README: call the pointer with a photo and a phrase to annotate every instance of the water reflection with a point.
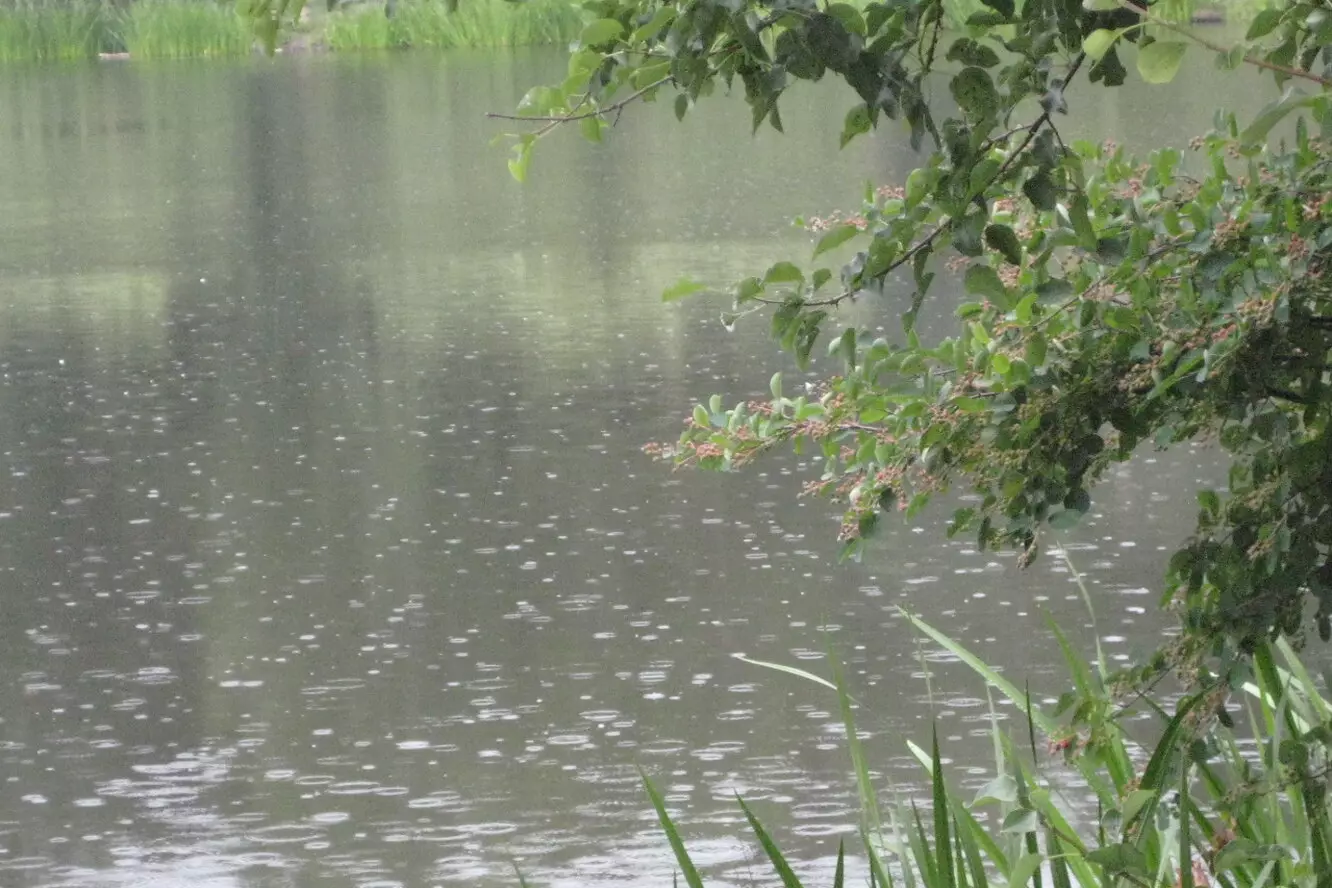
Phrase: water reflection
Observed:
(330, 557)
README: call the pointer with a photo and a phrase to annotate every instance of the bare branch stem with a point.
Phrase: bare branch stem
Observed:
(553, 121)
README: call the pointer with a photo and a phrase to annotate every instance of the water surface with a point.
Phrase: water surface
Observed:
(329, 554)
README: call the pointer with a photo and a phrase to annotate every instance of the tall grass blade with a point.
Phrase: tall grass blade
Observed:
(839, 874)
(879, 874)
(1058, 865)
(770, 848)
(869, 803)
(920, 851)
(692, 878)
(985, 671)
(1185, 843)
(1091, 611)
(942, 844)
(791, 670)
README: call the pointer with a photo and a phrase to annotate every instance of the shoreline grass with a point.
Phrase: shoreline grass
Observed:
(162, 29)
(1201, 802)
(475, 24)
(51, 32)
(76, 30)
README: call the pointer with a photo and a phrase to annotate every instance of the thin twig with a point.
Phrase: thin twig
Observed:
(555, 120)
(928, 240)
(1216, 47)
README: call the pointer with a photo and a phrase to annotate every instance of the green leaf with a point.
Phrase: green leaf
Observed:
(974, 92)
(1001, 789)
(1036, 349)
(969, 233)
(663, 17)
(1264, 23)
(1109, 70)
(1134, 802)
(1040, 190)
(857, 123)
(835, 238)
(680, 289)
(1123, 858)
(969, 52)
(830, 42)
(601, 31)
(784, 273)
(1240, 851)
(849, 16)
(1025, 867)
(1082, 227)
(775, 384)
(1159, 61)
(591, 128)
(1255, 133)
(1020, 821)
(1098, 43)
(522, 157)
(982, 280)
(1002, 240)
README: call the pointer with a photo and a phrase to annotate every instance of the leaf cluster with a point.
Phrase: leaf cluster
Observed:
(1116, 302)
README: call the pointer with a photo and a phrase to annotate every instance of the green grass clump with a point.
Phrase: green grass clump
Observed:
(478, 24)
(1195, 801)
(159, 29)
(364, 28)
(47, 32)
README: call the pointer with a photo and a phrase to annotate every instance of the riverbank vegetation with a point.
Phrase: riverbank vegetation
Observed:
(1110, 304)
(481, 24)
(68, 30)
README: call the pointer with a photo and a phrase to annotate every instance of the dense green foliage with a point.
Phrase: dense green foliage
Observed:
(1118, 302)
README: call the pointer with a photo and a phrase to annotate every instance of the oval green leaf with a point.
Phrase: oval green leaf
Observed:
(1159, 62)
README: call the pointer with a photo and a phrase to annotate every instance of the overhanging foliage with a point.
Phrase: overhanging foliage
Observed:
(1117, 301)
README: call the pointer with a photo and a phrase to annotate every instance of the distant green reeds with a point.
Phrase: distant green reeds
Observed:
(48, 31)
(481, 24)
(160, 29)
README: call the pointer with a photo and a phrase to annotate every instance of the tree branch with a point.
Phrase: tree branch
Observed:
(554, 121)
(928, 240)
(1216, 47)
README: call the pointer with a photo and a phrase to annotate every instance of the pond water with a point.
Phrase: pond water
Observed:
(328, 554)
